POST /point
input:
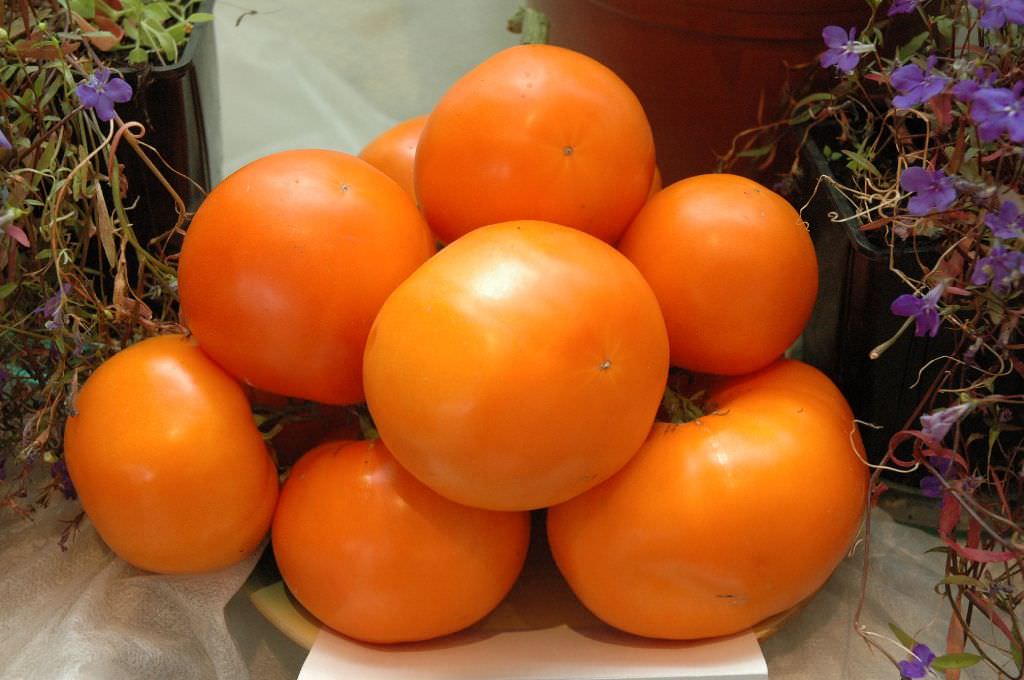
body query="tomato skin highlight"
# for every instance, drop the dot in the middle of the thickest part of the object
(286, 263)
(719, 523)
(733, 267)
(379, 557)
(521, 365)
(535, 132)
(167, 461)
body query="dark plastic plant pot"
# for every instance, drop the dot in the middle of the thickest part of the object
(851, 316)
(177, 104)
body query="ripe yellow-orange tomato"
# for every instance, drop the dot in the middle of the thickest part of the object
(535, 132)
(286, 263)
(377, 556)
(521, 365)
(722, 522)
(167, 460)
(733, 267)
(393, 152)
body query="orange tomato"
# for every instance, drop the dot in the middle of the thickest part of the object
(377, 556)
(733, 267)
(535, 132)
(721, 522)
(521, 365)
(286, 263)
(394, 150)
(167, 460)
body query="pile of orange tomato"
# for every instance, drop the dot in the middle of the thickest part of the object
(506, 287)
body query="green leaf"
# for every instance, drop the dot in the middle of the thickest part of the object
(137, 55)
(199, 17)
(756, 153)
(165, 42)
(177, 33)
(157, 11)
(945, 26)
(84, 8)
(43, 254)
(800, 119)
(7, 289)
(1018, 655)
(859, 161)
(958, 660)
(906, 51)
(902, 636)
(811, 98)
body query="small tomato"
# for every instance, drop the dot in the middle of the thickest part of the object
(167, 460)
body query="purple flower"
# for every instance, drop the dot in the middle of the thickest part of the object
(53, 308)
(932, 486)
(965, 89)
(101, 92)
(1001, 268)
(902, 7)
(916, 85)
(933, 190)
(4, 142)
(996, 110)
(1008, 223)
(843, 51)
(918, 668)
(937, 423)
(925, 311)
(995, 13)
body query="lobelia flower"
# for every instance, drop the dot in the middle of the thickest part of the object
(937, 424)
(902, 7)
(52, 309)
(4, 142)
(965, 89)
(916, 85)
(1001, 268)
(920, 666)
(933, 191)
(843, 51)
(924, 310)
(100, 92)
(1006, 224)
(932, 486)
(996, 110)
(995, 13)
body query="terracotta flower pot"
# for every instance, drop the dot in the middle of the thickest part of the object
(700, 67)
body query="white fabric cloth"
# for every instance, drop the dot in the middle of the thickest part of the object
(85, 614)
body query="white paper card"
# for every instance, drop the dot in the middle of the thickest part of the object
(557, 653)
